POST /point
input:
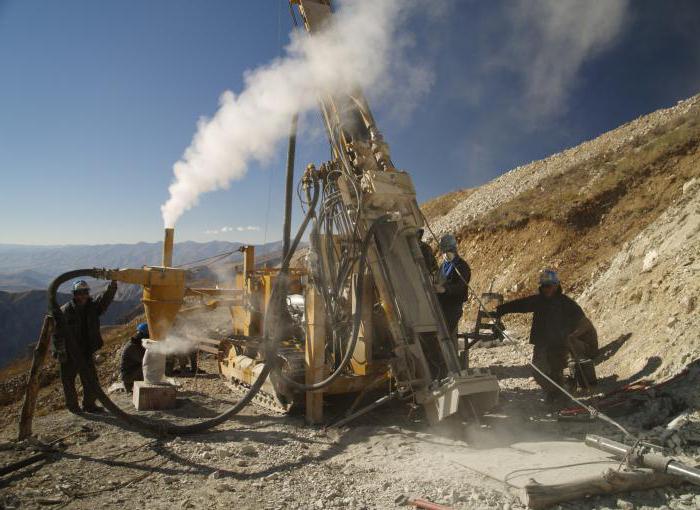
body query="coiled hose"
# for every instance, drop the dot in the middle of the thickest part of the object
(357, 317)
(90, 378)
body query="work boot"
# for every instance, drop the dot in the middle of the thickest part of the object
(74, 409)
(93, 408)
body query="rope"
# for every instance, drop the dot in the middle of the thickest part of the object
(595, 413)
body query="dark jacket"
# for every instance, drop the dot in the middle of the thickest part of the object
(553, 320)
(131, 364)
(429, 256)
(455, 277)
(83, 323)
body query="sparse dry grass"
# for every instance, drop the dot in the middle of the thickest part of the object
(443, 204)
(645, 172)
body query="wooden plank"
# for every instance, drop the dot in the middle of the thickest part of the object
(32, 389)
(315, 349)
(608, 482)
(362, 356)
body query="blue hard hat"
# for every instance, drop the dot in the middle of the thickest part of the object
(549, 277)
(80, 285)
(142, 328)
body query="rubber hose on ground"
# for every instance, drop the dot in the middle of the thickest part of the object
(89, 376)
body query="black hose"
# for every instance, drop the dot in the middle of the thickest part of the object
(357, 318)
(289, 186)
(90, 378)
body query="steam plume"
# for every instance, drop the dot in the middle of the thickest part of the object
(358, 48)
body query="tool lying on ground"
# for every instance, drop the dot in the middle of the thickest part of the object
(421, 503)
(624, 400)
(641, 455)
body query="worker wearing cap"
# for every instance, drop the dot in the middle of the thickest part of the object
(131, 364)
(557, 321)
(452, 285)
(81, 320)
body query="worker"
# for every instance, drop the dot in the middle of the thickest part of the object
(177, 364)
(131, 365)
(427, 251)
(452, 287)
(557, 321)
(81, 320)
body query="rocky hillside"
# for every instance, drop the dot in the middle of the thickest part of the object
(618, 216)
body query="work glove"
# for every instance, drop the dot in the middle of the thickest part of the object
(439, 289)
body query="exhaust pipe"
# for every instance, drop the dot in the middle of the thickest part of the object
(168, 247)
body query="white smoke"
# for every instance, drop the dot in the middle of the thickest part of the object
(360, 47)
(174, 344)
(549, 41)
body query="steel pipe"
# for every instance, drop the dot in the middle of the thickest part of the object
(648, 459)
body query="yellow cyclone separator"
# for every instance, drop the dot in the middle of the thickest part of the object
(162, 302)
(163, 289)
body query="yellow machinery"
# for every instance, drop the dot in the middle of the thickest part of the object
(364, 308)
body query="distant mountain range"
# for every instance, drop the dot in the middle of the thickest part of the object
(26, 267)
(27, 271)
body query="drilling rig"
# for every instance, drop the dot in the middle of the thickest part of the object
(362, 310)
(364, 325)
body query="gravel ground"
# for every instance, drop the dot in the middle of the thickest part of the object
(263, 461)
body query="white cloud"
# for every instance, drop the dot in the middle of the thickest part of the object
(224, 230)
(547, 43)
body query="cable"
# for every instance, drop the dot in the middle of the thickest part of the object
(357, 318)
(595, 413)
(89, 375)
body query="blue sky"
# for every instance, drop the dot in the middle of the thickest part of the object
(99, 99)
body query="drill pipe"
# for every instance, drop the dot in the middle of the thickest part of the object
(653, 460)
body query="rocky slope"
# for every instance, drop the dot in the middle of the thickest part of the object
(595, 212)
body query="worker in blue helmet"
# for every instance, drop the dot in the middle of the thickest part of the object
(559, 328)
(81, 320)
(452, 286)
(131, 363)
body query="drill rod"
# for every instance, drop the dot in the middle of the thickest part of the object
(653, 460)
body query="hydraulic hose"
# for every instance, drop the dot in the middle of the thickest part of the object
(89, 376)
(357, 318)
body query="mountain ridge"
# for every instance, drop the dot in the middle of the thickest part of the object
(26, 267)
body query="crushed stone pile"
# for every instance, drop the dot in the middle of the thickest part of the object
(651, 292)
(522, 178)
